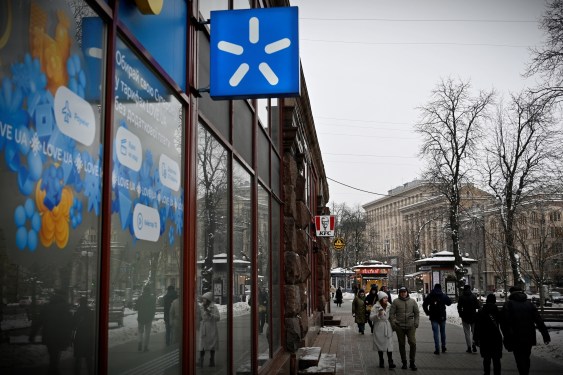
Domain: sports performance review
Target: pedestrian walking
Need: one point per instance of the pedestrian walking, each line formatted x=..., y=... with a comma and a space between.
x=519, y=320
x=370, y=300
x=382, y=330
x=170, y=296
x=434, y=306
x=404, y=316
x=359, y=310
x=487, y=335
x=84, y=325
x=467, y=307
x=146, y=308
x=338, y=299
x=208, y=332
x=55, y=324
x=385, y=289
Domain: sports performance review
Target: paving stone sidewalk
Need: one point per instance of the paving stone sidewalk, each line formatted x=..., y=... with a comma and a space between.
x=355, y=355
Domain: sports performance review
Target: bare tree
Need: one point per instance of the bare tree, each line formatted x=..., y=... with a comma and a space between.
x=547, y=60
x=451, y=125
x=351, y=226
x=521, y=150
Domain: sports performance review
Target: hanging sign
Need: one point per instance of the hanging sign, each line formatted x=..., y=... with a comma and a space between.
x=325, y=225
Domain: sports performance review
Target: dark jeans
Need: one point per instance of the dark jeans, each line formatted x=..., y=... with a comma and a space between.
x=487, y=365
x=522, y=357
x=441, y=327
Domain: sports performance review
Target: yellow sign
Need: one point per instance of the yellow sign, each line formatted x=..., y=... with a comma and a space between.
x=338, y=243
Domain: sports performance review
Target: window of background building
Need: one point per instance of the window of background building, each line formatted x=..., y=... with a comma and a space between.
x=263, y=264
x=276, y=284
x=147, y=219
x=51, y=187
x=206, y=6
x=213, y=243
x=242, y=129
x=242, y=267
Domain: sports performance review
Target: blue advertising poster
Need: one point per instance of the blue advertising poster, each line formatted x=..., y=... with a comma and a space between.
x=147, y=164
x=50, y=151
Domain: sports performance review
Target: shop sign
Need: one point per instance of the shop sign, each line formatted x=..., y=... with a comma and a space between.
x=367, y=271
x=338, y=243
x=324, y=225
x=254, y=53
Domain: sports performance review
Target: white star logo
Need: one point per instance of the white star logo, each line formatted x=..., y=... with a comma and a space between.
x=263, y=67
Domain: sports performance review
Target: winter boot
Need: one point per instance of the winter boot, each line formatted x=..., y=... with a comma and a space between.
x=404, y=367
x=381, y=363
x=212, y=358
x=390, y=360
x=413, y=366
x=201, y=356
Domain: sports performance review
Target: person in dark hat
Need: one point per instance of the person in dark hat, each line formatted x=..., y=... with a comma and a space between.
x=467, y=307
x=519, y=320
x=434, y=306
x=167, y=300
x=487, y=335
x=404, y=316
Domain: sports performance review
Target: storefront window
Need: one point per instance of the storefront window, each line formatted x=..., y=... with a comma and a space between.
x=147, y=221
x=212, y=292
x=50, y=173
x=242, y=268
x=276, y=298
x=263, y=263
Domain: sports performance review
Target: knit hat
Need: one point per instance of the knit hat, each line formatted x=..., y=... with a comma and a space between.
x=208, y=296
x=466, y=288
x=381, y=295
x=514, y=289
x=403, y=288
x=437, y=286
x=491, y=298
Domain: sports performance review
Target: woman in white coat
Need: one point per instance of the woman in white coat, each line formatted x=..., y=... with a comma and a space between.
x=382, y=331
x=208, y=333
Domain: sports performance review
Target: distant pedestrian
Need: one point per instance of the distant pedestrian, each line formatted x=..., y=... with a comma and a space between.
x=55, y=323
x=520, y=318
x=84, y=324
x=208, y=332
x=175, y=319
x=467, y=307
x=385, y=289
x=370, y=300
x=382, y=330
x=338, y=299
x=170, y=296
x=434, y=306
x=487, y=335
x=146, y=308
x=359, y=310
x=404, y=316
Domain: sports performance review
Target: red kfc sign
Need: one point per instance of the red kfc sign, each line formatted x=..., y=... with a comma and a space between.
x=325, y=225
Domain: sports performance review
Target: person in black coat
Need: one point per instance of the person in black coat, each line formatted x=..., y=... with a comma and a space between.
x=467, y=307
x=338, y=297
x=146, y=309
x=370, y=300
x=520, y=318
x=434, y=306
x=487, y=335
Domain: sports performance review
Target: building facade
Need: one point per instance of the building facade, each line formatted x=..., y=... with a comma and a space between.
x=131, y=197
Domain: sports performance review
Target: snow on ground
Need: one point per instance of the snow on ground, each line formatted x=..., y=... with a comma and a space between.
x=551, y=352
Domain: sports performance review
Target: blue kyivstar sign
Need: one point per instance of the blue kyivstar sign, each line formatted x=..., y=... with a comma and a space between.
x=254, y=53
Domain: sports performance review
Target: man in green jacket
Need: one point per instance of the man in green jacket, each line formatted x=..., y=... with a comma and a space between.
x=404, y=316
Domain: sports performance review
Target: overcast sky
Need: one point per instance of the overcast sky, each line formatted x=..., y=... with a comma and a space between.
x=369, y=64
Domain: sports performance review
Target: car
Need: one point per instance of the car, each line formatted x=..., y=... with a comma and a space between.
x=500, y=293
x=555, y=297
x=535, y=299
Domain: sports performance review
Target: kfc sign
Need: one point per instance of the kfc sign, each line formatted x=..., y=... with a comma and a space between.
x=325, y=225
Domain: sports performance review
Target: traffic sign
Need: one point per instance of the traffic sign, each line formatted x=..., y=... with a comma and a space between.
x=338, y=243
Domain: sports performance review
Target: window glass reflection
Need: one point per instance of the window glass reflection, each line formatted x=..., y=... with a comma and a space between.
x=212, y=292
x=263, y=259
x=147, y=221
x=242, y=267
x=50, y=187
